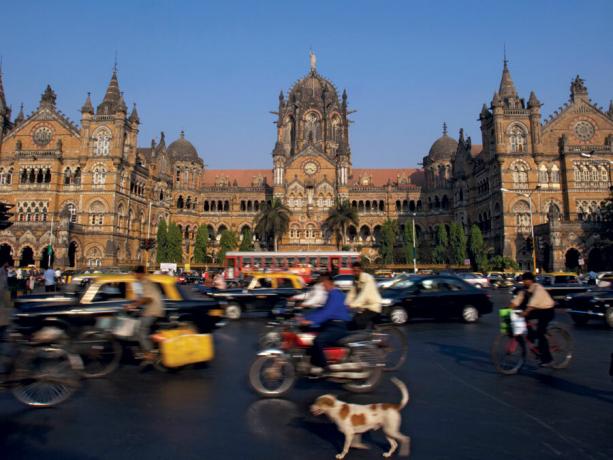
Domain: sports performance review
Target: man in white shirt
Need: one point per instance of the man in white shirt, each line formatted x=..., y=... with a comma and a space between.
x=49, y=276
x=363, y=298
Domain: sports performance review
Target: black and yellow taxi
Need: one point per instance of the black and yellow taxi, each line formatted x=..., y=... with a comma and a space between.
x=263, y=292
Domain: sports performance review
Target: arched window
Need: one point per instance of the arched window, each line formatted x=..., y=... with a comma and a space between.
x=94, y=257
x=336, y=129
x=594, y=176
x=77, y=176
x=180, y=202
x=71, y=210
x=521, y=209
x=99, y=175
x=517, y=139
x=102, y=142
x=604, y=175
x=519, y=171
x=555, y=174
x=311, y=127
x=543, y=174
x=96, y=213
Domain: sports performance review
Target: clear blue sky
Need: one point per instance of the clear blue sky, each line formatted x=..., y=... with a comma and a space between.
x=215, y=69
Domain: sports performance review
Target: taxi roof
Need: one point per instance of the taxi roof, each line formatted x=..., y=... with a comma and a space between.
x=560, y=274
x=118, y=277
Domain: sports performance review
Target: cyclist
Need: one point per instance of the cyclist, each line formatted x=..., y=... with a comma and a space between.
x=537, y=304
x=363, y=298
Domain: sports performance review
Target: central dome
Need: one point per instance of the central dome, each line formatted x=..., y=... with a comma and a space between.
x=183, y=150
x=444, y=148
x=312, y=87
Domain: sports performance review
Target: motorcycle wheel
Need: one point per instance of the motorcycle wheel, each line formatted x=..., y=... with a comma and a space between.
x=45, y=377
x=272, y=376
x=394, y=345
x=372, y=357
x=100, y=352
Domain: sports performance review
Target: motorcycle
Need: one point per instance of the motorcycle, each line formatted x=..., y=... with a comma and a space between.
x=356, y=362
x=38, y=369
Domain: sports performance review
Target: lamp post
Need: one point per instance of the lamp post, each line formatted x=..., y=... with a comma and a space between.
x=414, y=244
x=528, y=195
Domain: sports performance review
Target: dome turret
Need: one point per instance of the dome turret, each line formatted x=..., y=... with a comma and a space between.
x=444, y=147
x=183, y=150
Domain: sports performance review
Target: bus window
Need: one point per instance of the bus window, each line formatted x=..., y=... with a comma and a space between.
x=303, y=260
x=324, y=262
x=345, y=262
x=313, y=262
x=231, y=262
x=267, y=262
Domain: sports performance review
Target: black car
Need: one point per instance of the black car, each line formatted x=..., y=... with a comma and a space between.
x=593, y=304
x=434, y=297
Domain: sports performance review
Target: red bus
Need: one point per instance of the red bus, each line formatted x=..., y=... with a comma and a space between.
x=301, y=263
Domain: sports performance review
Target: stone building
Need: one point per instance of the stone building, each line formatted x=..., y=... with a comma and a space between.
x=91, y=191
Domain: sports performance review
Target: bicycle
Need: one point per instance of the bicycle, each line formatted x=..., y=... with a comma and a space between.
x=510, y=353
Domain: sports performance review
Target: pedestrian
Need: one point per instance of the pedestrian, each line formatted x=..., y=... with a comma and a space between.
x=58, y=277
x=11, y=276
x=49, y=276
x=30, y=282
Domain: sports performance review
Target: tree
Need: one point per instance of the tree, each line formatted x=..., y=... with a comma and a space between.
x=162, y=242
x=200, y=245
x=476, y=249
x=389, y=234
x=339, y=218
x=272, y=221
x=228, y=241
x=247, y=240
x=174, y=243
x=408, y=239
x=440, y=251
x=501, y=263
x=457, y=244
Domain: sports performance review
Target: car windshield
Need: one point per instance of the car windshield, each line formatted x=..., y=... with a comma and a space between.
x=402, y=283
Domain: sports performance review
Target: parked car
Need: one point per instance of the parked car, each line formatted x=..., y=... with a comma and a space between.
x=561, y=284
x=596, y=303
x=264, y=292
x=434, y=297
x=477, y=280
x=105, y=295
x=500, y=279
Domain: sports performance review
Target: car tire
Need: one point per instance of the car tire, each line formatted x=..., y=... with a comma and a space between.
x=470, y=314
x=608, y=317
x=233, y=311
x=398, y=315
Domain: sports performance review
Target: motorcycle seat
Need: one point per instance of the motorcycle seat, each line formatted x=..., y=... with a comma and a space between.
x=355, y=337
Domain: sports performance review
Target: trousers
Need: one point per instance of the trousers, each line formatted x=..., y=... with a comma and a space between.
x=329, y=333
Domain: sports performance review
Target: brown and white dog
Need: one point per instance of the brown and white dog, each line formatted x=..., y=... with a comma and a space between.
x=354, y=419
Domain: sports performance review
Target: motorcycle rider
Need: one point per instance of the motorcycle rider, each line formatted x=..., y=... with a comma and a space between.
x=151, y=307
x=363, y=298
x=316, y=296
x=331, y=321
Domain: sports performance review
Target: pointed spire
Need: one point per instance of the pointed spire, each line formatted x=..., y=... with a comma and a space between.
x=461, y=138
x=109, y=104
x=610, y=111
x=162, y=143
x=533, y=101
x=496, y=100
x=507, y=87
x=20, y=116
x=134, y=115
x=484, y=112
x=182, y=134
x=444, y=128
x=121, y=105
x=2, y=97
x=48, y=98
x=87, y=105
x=578, y=90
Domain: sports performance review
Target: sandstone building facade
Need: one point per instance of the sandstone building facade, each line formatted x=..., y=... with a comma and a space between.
x=92, y=192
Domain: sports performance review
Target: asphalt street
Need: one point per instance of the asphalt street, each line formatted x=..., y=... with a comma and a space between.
x=460, y=407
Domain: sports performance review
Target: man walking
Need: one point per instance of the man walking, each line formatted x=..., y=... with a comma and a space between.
x=50, y=282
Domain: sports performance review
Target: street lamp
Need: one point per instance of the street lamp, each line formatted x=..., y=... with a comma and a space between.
x=414, y=244
x=528, y=195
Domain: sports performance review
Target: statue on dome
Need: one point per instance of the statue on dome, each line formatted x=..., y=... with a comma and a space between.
x=313, y=60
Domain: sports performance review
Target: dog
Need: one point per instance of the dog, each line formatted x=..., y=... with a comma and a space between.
x=354, y=419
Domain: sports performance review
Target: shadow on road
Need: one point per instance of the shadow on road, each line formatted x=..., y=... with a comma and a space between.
x=567, y=386
x=467, y=357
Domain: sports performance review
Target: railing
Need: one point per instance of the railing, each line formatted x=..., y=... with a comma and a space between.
x=38, y=153
x=587, y=148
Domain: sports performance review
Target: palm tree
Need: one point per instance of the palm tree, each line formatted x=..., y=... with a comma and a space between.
x=272, y=220
x=339, y=219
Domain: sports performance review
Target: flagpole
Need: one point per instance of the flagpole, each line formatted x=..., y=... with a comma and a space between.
x=50, y=248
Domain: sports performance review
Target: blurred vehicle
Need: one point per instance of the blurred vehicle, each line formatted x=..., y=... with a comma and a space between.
x=384, y=283
x=264, y=292
x=434, y=297
x=103, y=296
x=561, y=284
x=189, y=278
x=230, y=284
x=343, y=282
x=500, y=279
x=477, y=280
x=604, y=279
x=596, y=303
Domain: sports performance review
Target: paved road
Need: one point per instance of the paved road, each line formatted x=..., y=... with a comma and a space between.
x=460, y=408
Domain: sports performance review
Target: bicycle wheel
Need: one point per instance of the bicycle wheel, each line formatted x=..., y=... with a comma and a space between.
x=560, y=346
x=100, y=353
x=394, y=344
x=508, y=354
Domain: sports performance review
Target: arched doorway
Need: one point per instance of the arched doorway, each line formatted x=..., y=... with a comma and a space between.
x=72, y=254
x=46, y=259
x=27, y=257
x=6, y=255
x=572, y=259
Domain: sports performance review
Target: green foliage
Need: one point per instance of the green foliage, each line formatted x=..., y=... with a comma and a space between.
x=457, y=243
x=247, y=241
x=407, y=241
x=162, y=242
x=202, y=240
x=501, y=263
x=340, y=217
x=389, y=233
x=228, y=241
x=477, y=250
x=174, y=242
x=272, y=222
x=440, y=252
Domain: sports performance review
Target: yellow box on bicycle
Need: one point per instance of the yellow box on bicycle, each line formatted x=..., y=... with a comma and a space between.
x=184, y=349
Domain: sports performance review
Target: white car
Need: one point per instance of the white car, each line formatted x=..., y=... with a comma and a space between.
x=343, y=282
x=474, y=279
